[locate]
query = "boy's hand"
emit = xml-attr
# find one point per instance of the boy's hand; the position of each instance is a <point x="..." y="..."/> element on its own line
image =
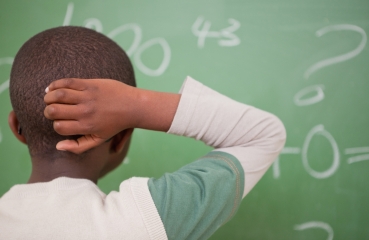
<point x="95" y="108"/>
<point x="100" y="108"/>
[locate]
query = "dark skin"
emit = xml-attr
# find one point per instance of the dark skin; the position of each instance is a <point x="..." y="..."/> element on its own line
<point x="78" y="107"/>
<point x="102" y="159"/>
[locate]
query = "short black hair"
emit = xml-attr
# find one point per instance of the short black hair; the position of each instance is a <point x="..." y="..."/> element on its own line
<point x="62" y="52"/>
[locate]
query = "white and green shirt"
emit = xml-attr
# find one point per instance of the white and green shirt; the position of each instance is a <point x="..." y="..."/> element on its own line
<point x="191" y="203"/>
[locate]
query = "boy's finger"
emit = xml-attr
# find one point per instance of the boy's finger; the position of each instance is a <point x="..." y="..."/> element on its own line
<point x="66" y="96"/>
<point x="80" y="145"/>
<point x="71" y="83"/>
<point x="70" y="127"/>
<point x="62" y="112"/>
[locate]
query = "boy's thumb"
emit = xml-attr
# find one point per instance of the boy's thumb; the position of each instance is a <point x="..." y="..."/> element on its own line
<point x="80" y="145"/>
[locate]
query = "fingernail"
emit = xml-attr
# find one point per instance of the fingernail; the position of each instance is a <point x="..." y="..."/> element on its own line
<point x="47" y="90"/>
<point x="60" y="148"/>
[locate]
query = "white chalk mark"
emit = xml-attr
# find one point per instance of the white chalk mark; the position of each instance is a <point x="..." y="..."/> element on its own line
<point x="340" y="58"/>
<point x="197" y="32"/>
<point x="165" y="62"/>
<point x="234" y="25"/>
<point x="94" y="23"/>
<point x="4" y="86"/>
<point x="68" y="14"/>
<point x="230" y="38"/>
<point x="286" y="150"/>
<point x="319" y="96"/>
<point x="358" y="158"/>
<point x="357" y="150"/>
<point x="204" y="32"/>
<point x="291" y="150"/>
<point x="137" y="35"/>
<point x="1" y="136"/>
<point x="319" y="129"/>
<point x="137" y="50"/>
<point x="126" y="160"/>
<point x="276" y="169"/>
<point x="316" y="224"/>
<point x="5" y="60"/>
<point x="228" y="33"/>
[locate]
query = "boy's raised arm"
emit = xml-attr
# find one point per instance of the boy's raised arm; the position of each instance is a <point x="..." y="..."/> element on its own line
<point x="255" y="137"/>
<point x="197" y="199"/>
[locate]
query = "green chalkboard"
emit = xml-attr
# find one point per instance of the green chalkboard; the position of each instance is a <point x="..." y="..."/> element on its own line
<point x="307" y="61"/>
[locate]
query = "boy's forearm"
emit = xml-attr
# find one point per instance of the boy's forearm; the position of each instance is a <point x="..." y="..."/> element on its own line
<point x="155" y="110"/>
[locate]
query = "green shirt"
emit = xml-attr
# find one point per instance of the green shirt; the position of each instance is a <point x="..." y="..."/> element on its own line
<point x="196" y="200"/>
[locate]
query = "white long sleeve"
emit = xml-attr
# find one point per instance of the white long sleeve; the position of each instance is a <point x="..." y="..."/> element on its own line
<point x="253" y="136"/>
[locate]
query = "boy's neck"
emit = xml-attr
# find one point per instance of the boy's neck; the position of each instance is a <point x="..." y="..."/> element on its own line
<point x="46" y="170"/>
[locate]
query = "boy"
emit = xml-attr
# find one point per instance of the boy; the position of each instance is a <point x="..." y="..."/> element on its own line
<point x="93" y="119"/>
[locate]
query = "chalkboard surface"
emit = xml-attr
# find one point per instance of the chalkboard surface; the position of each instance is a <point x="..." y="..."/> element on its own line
<point x="305" y="61"/>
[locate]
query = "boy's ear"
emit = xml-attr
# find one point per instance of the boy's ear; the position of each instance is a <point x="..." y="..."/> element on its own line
<point x="120" y="140"/>
<point x="119" y="145"/>
<point x="15" y="127"/>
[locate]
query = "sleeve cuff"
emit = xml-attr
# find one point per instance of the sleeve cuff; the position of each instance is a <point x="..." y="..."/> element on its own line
<point x="190" y="91"/>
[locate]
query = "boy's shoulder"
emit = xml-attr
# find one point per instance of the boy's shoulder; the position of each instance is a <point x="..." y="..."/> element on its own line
<point x="79" y="206"/>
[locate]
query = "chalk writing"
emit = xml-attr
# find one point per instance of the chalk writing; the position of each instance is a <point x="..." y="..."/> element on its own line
<point x="138" y="50"/>
<point x="317" y="130"/>
<point x="94" y="23"/>
<point x="328" y="62"/>
<point x="358" y="158"/>
<point x="316" y="224"/>
<point x="4" y="86"/>
<point x="6" y="60"/>
<point x="230" y="40"/>
<point x="165" y="62"/>
<point x="126" y="160"/>
<point x="135" y="49"/>
<point x="3" y="61"/>
<point x="68" y="14"/>
<point x="301" y="101"/>
<point x="356" y="150"/>
<point x="137" y="35"/>
<point x="340" y="58"/>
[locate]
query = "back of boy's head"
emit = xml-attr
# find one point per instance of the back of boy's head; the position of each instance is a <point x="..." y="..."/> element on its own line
<point x="62" y="52"/>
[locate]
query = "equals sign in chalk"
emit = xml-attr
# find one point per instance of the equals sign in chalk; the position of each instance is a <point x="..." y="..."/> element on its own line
<point x="362" y="150"/>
